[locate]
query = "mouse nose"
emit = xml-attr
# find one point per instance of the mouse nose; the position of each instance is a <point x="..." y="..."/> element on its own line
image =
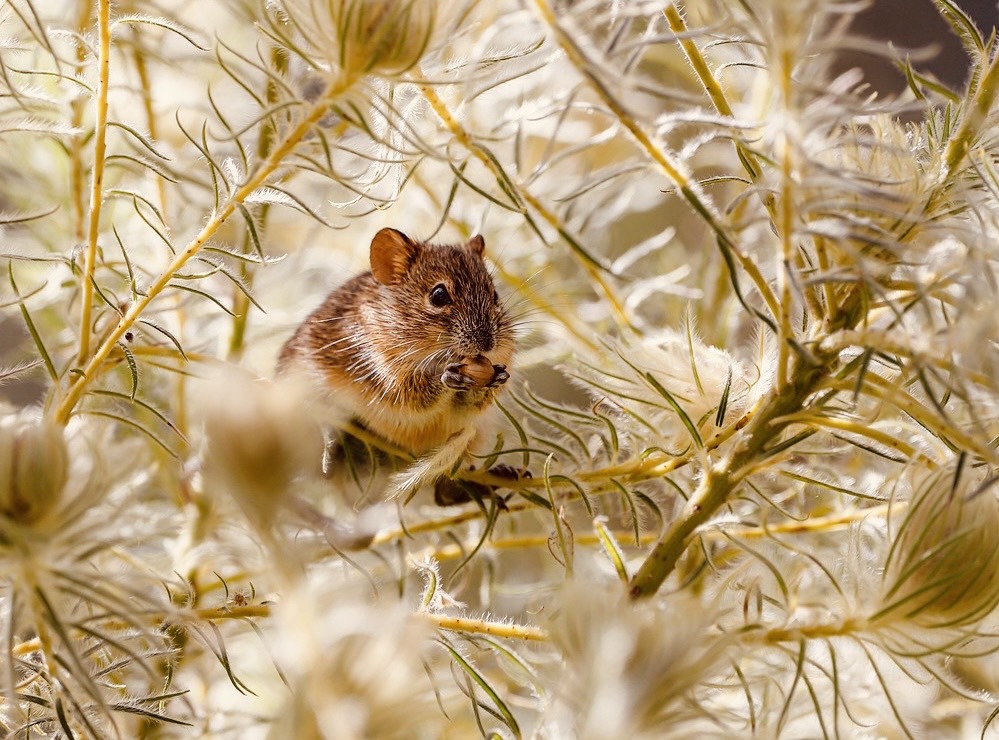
<point x="478" y="339"/>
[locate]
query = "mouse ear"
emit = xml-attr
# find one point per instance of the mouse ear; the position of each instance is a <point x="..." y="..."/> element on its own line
<point x="392" y="252"/>
<point x="477" y="244"/>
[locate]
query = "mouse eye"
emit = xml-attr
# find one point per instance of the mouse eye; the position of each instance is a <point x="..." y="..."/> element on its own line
<point x="439" y="297"/>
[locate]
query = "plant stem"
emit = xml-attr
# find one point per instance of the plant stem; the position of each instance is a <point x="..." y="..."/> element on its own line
<point x="485" y="627"/>
<point x="670" y="168"/>
<point x="804" y="378"/>
<point x="829" y="523"/>
<point x="967" y="133"/>
<point x="97" y="177"/>
<point x="266" y="169"/>
<point x="241" y="301"/>
<point x="891" y="392"/>
<point x="721" y="479"/>
<point x="711" y="87"/>
<point x="151" y="121"/>
<point x="813" y="631"/>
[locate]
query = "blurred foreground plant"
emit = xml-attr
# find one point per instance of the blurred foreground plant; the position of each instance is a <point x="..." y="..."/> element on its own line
<point x="756" y="387"/>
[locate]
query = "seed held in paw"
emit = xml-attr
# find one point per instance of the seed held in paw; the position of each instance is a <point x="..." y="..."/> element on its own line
<point x="479" y="368"/>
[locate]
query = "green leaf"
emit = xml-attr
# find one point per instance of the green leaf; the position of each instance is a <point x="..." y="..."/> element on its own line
<point x="35" y="336"/>
<point x="134" y="425"/>
<point x="166" y="23"/>
<point x="611" y="548"/>
<point x="146" y="142"/>
<point x="167" y="334"/>
<point x="659" y="388"/>
<point x="723" y="404"/>
<point x="7" y="219"/>
<point x="470" y="671"/>
<point x="965" y="28"/>
<point x="128" y="263"/>
<point x="133" y="368"/>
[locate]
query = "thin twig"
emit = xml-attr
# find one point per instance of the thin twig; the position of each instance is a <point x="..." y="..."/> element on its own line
<point x="97" y="176"/>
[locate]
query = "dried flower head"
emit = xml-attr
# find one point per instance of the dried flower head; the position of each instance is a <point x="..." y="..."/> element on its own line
<point x="357" y="668"/>
<point x="34" y="467"/>
<point x="679" y="382"/>
<point x="631" y="671"/>
<point x="361" y="37"/>
<point x="943" y="567"/>
<point x="259" y="437"/>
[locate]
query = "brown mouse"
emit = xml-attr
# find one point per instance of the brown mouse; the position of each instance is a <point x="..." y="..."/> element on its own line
<point x="413" y="350"/>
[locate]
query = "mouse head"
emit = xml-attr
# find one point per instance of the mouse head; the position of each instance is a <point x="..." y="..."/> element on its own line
<point x="441" y="295"/>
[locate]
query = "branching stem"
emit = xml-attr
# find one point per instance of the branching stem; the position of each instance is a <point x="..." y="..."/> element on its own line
<point x="721" y="479"/>
<point x="266" y="169"/>
<point x="76" y="145"/>
<point x="486" y="627"/>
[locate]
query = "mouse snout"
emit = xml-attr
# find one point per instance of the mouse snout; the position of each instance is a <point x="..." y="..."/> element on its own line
<point x="479" y="342"/>
<point x="477" y="338"/>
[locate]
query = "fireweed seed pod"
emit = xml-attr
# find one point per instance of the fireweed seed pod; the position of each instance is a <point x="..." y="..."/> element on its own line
<point x="943" y="567"/>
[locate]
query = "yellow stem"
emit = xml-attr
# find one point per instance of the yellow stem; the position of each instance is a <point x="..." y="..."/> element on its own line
<point x="630" y="470"/>
<point x="693" y="54"/>
<point x="973" y="119"/>
<point x="861" y="429"/>
<point x="784" y="266"/>
<point x="485" y="627"/>
<point x="888" y="391"/>
<point x="231" y="612"/>
<point x="822" y="524"/>
<point x="180" y="400"/>
<point x="786" y="228"/>
<point x="27" y="647"/>
<point x="151" y="123"/>
<point x="828" y="293"/>
<point x="746" y="155"/>
<point x="97" y="177"/>
<point x="291" y="140"/>
<point x="813" y="631"/>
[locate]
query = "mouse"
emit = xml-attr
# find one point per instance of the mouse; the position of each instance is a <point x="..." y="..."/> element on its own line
<point x="415" y="349"/>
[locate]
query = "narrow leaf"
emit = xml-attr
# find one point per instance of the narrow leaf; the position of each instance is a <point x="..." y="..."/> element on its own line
<point x="133" y="368"/>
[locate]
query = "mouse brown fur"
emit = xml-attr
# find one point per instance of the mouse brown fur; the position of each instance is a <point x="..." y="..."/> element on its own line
<point x="405" y="348"/>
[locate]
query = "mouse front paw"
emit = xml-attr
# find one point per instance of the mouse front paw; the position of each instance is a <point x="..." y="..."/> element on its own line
<point x="453" y="377"/>
<point x="500" y="376"/>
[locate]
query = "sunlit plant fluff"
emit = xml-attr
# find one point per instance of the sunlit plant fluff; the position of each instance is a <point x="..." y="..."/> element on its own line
<point x="742" y="479"/>
<point x="632" y="672"/>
